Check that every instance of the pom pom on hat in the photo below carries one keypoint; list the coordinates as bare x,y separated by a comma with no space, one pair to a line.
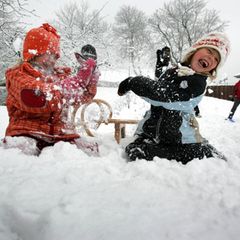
41,40
217,41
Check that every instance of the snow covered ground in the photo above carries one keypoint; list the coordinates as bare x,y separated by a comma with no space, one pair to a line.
66,195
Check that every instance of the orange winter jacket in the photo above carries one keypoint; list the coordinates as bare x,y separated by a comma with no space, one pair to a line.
34,104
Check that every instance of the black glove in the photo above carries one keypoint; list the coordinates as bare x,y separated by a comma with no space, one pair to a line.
124,86
166,55
163,56
163,59
159,55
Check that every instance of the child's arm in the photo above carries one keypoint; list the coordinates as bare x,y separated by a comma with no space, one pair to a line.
82,78
90,90
74,88
189,87
32,94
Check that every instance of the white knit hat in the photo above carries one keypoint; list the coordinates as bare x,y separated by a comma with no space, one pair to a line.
217,41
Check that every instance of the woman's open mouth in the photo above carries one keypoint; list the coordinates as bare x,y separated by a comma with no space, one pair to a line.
203,63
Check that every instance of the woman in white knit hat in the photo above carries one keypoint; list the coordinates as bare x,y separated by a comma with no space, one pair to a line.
169,129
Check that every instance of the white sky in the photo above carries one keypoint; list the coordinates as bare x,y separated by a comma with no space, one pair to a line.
228,10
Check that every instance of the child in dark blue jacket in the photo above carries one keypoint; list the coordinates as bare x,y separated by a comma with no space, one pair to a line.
169,129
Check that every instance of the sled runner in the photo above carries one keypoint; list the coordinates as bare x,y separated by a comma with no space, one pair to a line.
104,116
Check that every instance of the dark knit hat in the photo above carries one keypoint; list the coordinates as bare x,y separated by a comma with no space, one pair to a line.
88,51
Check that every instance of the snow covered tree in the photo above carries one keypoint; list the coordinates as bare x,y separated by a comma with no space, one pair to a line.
78,25
11,11
179,23
130,30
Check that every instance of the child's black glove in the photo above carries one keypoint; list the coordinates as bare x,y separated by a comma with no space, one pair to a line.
159,55
124,86
163,56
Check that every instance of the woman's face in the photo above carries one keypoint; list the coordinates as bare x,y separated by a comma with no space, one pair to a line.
204,60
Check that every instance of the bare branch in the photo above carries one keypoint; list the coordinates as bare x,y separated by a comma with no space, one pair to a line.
181,22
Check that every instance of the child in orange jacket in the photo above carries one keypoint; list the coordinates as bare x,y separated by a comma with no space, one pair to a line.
38,92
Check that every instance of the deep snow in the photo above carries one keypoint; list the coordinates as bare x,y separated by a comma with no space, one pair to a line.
66,195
